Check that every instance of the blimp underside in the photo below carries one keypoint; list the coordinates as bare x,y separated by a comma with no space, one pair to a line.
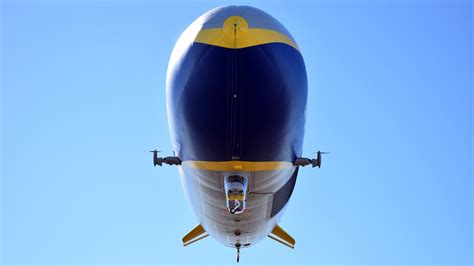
236,98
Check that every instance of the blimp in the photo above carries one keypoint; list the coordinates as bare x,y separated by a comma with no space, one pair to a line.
236,95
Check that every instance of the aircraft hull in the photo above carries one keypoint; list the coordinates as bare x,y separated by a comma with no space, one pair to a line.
236,99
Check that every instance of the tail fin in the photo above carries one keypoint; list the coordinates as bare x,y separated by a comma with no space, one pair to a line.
282,237
194,235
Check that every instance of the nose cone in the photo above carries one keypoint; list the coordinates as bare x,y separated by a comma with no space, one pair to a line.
235,27
232,27
246,17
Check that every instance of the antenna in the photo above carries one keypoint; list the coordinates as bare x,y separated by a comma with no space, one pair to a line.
237,246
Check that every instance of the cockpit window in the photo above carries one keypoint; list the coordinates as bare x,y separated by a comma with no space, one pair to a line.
235,178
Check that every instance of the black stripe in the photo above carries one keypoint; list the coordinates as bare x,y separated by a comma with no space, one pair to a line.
282,196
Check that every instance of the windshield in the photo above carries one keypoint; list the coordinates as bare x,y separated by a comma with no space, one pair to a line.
235,178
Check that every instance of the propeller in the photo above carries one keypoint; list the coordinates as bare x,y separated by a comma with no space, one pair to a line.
171,160
156,160
318,160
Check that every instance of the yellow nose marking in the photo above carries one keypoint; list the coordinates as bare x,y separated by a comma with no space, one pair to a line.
235,27
235,34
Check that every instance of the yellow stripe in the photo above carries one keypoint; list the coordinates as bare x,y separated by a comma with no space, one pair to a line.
236,34
252,38
237,165
236,197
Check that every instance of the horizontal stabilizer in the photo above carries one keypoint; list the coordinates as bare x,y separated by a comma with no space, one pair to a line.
282,237
194,235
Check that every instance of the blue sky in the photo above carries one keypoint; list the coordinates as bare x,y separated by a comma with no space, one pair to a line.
83,100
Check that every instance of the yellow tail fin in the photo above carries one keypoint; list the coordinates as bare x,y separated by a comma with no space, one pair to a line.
194,235
282,237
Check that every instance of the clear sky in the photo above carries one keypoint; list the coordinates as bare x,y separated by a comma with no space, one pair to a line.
83,101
